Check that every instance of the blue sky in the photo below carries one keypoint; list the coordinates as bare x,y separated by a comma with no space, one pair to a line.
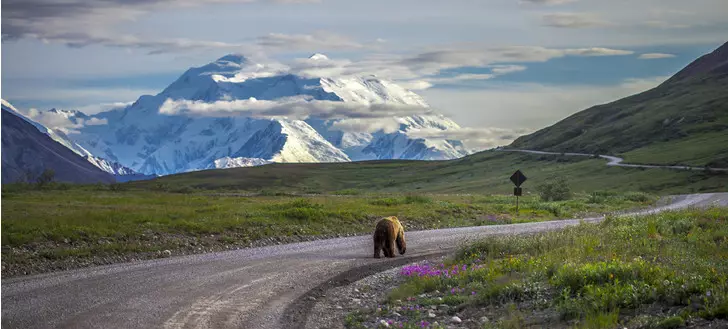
561,55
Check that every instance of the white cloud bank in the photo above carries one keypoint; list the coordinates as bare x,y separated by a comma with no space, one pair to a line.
573,20
386,125
473,138
299,108
60,121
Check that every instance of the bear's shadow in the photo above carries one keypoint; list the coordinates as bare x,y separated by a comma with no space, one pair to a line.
350,256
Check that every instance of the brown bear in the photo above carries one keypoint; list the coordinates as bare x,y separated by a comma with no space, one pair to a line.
388,232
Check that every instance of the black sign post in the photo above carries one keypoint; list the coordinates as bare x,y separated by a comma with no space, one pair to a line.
518,178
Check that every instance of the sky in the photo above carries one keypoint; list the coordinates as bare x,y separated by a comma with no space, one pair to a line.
497,67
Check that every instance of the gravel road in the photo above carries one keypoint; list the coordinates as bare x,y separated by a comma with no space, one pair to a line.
268,287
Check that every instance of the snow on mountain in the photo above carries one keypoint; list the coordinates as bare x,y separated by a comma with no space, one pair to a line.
27,152
110,166
141,138
62,138
228,162
318,56
290,141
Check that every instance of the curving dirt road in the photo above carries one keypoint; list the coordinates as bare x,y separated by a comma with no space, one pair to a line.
266,287
615,161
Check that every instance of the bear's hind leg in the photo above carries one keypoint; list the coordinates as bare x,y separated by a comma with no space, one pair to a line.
377,250
390,249
386,250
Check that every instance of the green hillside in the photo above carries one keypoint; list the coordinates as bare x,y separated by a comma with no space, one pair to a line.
484,172
684,120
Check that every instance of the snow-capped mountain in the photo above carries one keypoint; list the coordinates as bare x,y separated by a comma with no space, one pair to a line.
27,152
61,137
150,142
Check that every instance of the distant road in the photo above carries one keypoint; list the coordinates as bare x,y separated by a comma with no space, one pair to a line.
262,288
615,161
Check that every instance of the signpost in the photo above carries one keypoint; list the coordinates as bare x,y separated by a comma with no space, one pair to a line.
518,178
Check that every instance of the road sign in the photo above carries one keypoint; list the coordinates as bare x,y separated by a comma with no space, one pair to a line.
518,178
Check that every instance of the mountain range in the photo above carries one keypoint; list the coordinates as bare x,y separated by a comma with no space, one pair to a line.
140,138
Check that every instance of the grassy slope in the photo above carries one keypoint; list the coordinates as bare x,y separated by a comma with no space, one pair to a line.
703,149
673,268
686,116
485,172
50,228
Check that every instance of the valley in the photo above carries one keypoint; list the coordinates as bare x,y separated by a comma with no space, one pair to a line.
52,230
244,193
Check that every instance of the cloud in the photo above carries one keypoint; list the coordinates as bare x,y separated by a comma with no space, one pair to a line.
307,42
319,67
298,108
547,2
414,73
505,69
420,71
460,78
476,138
102,107
434,61
655,56
589,20
386,125
415,84
153,46
96,122
428,82
61,121
69,22
593,52
54,120
573,20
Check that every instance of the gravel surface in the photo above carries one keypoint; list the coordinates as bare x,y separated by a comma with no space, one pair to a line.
187,245
266,287
190,245
329,312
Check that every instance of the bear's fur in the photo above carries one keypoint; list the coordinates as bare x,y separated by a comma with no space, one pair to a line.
389,231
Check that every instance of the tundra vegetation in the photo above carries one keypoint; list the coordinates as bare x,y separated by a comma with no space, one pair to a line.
666,270
59,226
